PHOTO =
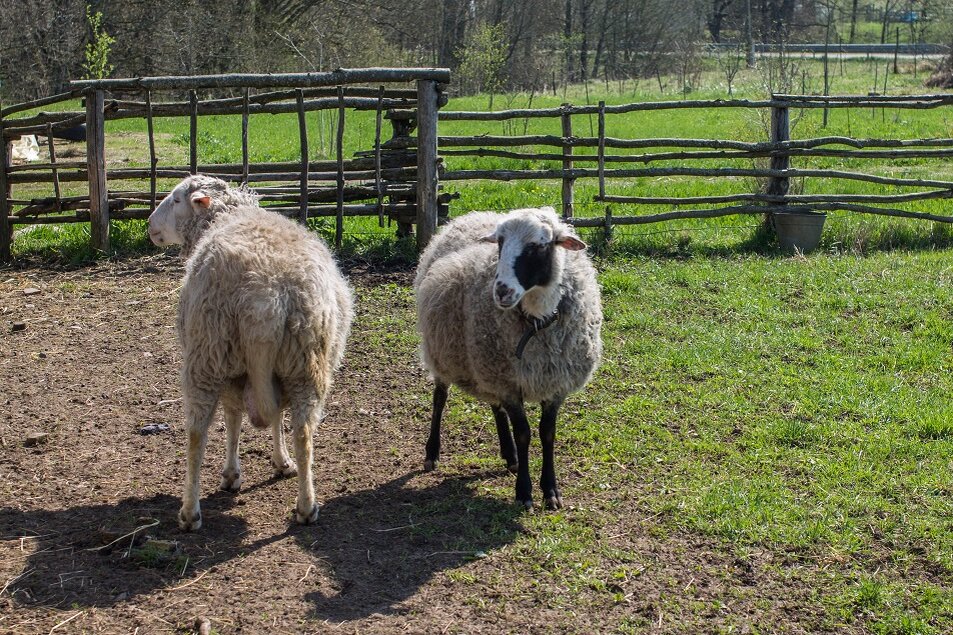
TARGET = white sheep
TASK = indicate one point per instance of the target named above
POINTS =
(508, 323)
(263, 318)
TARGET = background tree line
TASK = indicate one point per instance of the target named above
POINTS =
(492, 44)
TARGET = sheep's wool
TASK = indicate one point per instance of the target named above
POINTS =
(468, 341)
(258, 285)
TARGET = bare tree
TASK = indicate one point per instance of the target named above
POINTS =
(716, 19)
(730, 61)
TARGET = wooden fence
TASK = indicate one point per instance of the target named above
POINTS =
(404, 174)
(779, 150)
(407, 170)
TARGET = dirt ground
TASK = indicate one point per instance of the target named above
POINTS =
(93, 360)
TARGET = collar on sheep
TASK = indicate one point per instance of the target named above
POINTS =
(534, 325)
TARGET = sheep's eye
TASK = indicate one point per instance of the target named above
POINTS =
(175, 200)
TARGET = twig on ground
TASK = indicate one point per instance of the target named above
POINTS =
(67, 620)
(131, 533)
(15, 578)
(394, 528)
(189, 583)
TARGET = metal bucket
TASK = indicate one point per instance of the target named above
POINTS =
(798, 231)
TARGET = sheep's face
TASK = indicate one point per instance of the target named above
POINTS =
(169, 217)
(529, 241)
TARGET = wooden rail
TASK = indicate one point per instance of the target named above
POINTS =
(779, 150)
(401, 171)
(406, 169)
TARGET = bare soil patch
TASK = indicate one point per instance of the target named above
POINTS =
(394, 549)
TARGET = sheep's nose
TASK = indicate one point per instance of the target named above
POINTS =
(504, 294)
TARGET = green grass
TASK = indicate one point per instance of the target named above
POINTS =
(793, 406)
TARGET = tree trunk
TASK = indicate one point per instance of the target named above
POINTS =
(600, 43)
(567, 34)
(853, 20)
(451, 28)
(584, 45)
(717, 18)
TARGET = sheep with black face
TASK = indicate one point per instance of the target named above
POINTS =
(263, 317)
(509, 310)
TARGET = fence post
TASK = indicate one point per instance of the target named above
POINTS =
(55, 173)
(193, 133)
(303, 140)
(339, 144)
(427, 204)
(566, 118)
(96, 170)
(780, 133)
(6, 229)
(153, 161)
(245, 137)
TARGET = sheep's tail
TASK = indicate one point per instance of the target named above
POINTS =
(262, 391)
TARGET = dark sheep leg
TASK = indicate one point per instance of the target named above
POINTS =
(547, 437)
(521, 433)
(507, 445)
(440, 393)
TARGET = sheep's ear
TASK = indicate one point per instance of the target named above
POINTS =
(201, 199)
(570, 242)
(489, 238)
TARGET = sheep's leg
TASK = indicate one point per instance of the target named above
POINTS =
(198, 414)
(232, 472)
(279, 451)
(304, 418)
(440, 393)
(522, 434)
(547, 437)
(507, 445)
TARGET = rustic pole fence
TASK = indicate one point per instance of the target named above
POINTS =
(780, 133)
(378, 181)
(193, 132)
(303, 140)
(96, 170)
(53, 171)
(778, 149)
(6, 228)
(405, 168)
(567, 183)
(245, 116)
(427, 203)
(342, 187)
(339, 220)
(153, 161)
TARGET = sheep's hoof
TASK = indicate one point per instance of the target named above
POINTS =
(430, 465)
(231, 481)
(526, 504)
(307, 519)
(285, 470)
(189, 521)
(513, 468)
(554, 502)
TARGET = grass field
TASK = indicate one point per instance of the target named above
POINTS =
(791, 415)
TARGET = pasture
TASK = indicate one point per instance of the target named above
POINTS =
(767, 448)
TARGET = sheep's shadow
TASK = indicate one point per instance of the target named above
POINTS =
(372, 548)
(71, 559)
(383, 543)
